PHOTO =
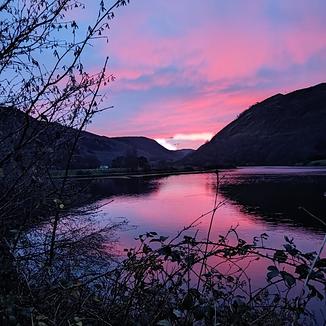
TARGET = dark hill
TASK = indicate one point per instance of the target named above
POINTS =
(105, 149)
(92, 150)
(281, 130)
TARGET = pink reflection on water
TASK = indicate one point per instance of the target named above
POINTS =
(179, 200)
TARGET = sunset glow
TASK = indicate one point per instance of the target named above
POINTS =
(189, 68)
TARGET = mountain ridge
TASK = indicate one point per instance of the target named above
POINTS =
(92, 150)
(283, 129)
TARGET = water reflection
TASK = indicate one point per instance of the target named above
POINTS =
(123, 186)
(258, 200)
(278, 197)
(255, 200)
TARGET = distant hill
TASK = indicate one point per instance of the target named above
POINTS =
(105, 149)
(281, 130)
(92, 150)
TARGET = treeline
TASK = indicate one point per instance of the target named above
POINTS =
(131, 162)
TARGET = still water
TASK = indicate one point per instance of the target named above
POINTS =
(256, 200)
(278, 201)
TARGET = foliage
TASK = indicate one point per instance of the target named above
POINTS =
(57, 268)
(44, 78)
(131, 162)
(159, 283)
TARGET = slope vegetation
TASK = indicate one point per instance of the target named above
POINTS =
(281, 130)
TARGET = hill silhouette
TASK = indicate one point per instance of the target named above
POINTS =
(281, 130)
(92, 150)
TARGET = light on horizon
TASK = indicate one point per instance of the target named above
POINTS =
(191, 140)
(197, 136)
(166, 144)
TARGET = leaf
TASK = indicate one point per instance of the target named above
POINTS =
(321, 263)
(271, 275)
(146, 249)
(175, 256)
(166, 251)
(288, 279)
(280, 256)
(288, 240)
(35, 63)
(302, 270)
(310, 255)
(153, 233)
(188, 301)
(264, 236)
(273, 272)
(291, 250)
(272, 268)
(315, 293)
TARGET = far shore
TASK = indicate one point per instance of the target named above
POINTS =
(135, 174)
(90, 174)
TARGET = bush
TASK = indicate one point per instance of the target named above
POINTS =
(179, 281)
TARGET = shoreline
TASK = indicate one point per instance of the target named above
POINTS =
(129, 175)
(92, 174)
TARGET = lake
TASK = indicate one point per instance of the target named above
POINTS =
(256, 200)
(282, 202)
(278, 201)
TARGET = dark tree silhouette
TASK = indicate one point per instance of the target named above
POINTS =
(44, 78)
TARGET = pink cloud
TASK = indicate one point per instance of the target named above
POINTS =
(197, 79)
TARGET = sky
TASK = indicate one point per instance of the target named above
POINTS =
(185, 69)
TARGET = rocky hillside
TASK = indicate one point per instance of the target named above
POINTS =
(281, 130)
